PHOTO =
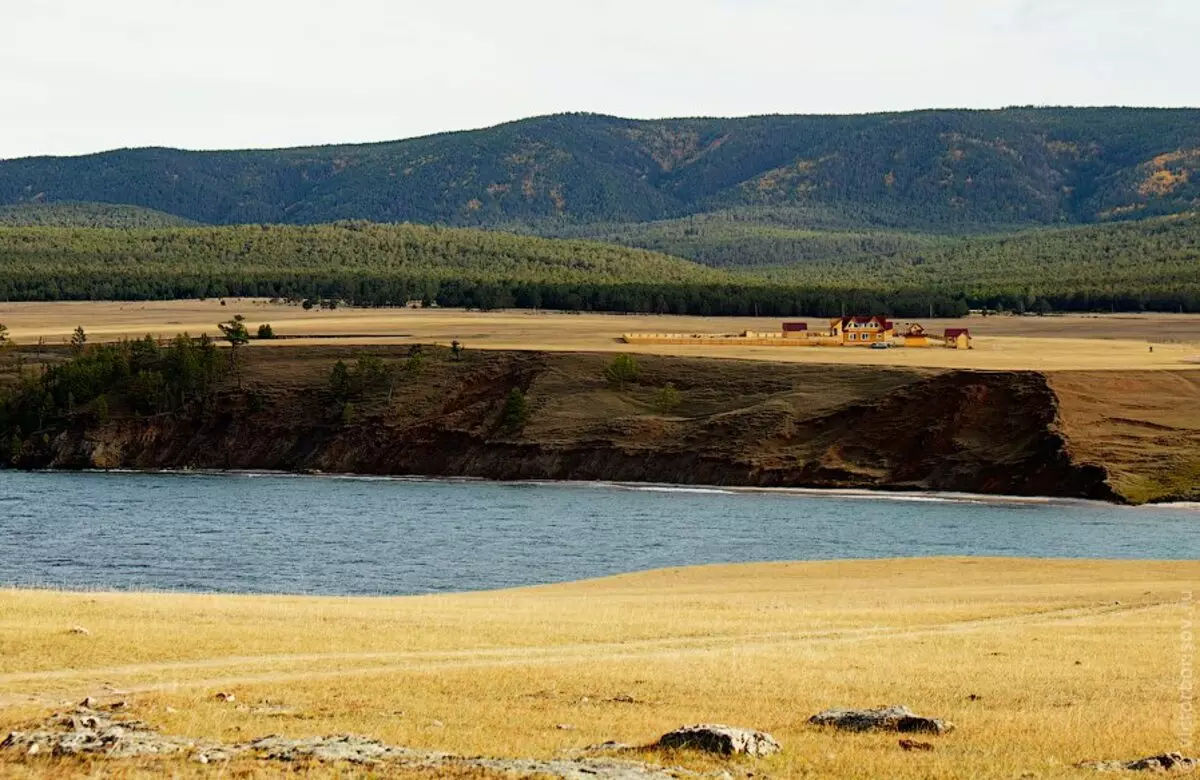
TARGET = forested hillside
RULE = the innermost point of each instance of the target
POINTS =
(949, 171)
(86, 215)
(1132, 266)
(1152, 264)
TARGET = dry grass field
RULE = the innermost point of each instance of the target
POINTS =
(1040, 664)
(1002, 343)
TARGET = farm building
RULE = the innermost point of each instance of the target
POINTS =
(916, 336)
(862, 331)
(874, 331)
(958, 338)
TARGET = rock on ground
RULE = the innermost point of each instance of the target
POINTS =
(726, 740)
(894, 718)
(86, 731)
(1166, 762)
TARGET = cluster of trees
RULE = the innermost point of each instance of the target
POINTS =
(918, 169)
(151, 378)
(371, 374)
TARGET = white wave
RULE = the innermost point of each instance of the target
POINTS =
(674, 489)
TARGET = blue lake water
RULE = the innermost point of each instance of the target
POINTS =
(265, 533)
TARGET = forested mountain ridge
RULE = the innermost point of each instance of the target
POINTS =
(947, 171)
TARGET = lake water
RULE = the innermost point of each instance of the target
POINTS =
(269, 533)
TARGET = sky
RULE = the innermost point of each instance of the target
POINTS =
(81, 76)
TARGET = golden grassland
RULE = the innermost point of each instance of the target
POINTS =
(1041, 664)
(1002, 343)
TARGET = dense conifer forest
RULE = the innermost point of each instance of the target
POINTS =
(86, 215)
(1150, 264)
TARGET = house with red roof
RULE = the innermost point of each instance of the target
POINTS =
(958, 338)
(862, 331)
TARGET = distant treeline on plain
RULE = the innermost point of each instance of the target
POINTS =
(1146, 265)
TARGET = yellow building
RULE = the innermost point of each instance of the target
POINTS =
(915, 336)
(862, 331)
(958, 338)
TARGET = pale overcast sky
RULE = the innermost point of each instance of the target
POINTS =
(87, 75)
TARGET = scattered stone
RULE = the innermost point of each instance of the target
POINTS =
(436, 724)
(624, 698)
(86, 732)
(1166, 762)
(226, 697)
(89, 703)
(726, 740)
(609, 746)
(269, 709)
(912, 744)
(974, 697)
(355, 750)
(564, 727)
(80, 630)
(894, 718)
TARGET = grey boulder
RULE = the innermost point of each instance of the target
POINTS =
(893, 718)
(724, 740)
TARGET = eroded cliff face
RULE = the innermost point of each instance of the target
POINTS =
(736, 423)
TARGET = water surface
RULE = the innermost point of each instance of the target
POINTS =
(329, 535)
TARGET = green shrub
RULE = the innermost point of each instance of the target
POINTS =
(621, 371)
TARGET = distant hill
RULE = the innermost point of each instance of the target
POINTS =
(942, 171)
(1147, 264)
(1150, 264)
(101, 215)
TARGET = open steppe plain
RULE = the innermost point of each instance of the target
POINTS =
(1040, 664)
(1069, 342)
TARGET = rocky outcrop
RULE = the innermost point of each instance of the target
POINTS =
(1165, 762)
(723, 740)
(85, 731)
(893, 718)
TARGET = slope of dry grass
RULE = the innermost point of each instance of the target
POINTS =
(1040, 663)
(1143, 426)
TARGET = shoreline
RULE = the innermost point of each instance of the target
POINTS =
(869, 494)
(691, 572)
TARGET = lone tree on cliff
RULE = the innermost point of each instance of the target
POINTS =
(667, 399)
(621, 371)
(236, 334)
(78, 339)
(516, 410)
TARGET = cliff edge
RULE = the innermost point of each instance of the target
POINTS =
(531, 415)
